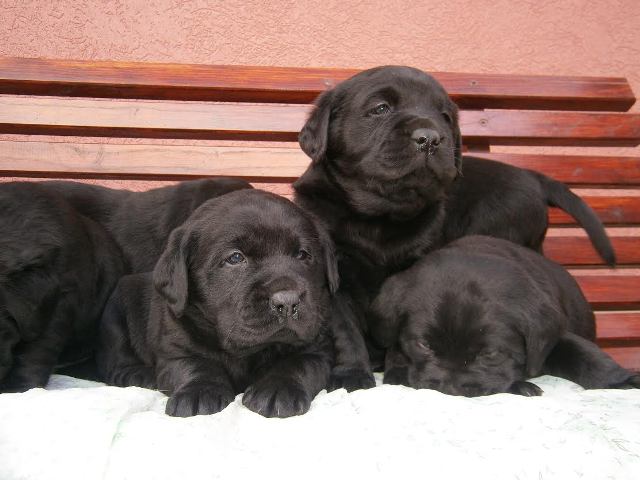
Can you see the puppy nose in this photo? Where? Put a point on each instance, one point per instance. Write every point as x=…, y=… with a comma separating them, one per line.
x=425, y=138
x=285, y=304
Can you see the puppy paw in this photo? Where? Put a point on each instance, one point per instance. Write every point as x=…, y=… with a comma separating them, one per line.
x=20, y=383
x=135, y=376
x=16, y=388
x=276, y=399
x=526, y=389
x=396, y=376
x=351, y=380
x=199, y=400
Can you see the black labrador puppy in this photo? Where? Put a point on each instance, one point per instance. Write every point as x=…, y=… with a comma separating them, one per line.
x=140, y=222
x=481, y=316
x=385, y=180
x=57, y=269
x=238, y=302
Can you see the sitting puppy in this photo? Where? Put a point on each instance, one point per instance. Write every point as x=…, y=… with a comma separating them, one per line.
x=237, y=302
x=140, y=222
x=57, y=269
x=481, y=316
x=385, y=180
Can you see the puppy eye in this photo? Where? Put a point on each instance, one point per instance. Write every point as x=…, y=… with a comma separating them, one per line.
x=380, y=109
x=447, y=117
x=303, y=255
x=235, y=258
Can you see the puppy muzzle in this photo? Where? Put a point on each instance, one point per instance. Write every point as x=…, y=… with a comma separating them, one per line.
x=426, y=140
x=285, y=304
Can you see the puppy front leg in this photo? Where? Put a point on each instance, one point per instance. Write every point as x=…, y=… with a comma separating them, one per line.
x=396, y=368
x=583, y=362
x=352, y=370
x=289, y=386
x=118, y=362
x=196, y=386
x=33, y=361
x=9, y=338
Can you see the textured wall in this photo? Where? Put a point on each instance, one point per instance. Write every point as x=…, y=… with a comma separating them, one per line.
x=528, y=36
x=575, y=37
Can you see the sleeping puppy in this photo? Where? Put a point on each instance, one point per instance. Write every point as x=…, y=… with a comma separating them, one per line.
x=140, y=222
x=237, y=302
x=385, y=180
x=57, y=269
x=483, y=315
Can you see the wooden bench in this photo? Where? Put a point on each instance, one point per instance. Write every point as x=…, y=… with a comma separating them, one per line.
x=46, y=105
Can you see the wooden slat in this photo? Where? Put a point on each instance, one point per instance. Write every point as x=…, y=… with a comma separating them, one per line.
x=72, y=160
x=610, y=289
x=294, y=85
x=150, y=119
x=180, y=161
x=576, y=169
x=618, y=327
x=150, y=162
x=200, y=120
x=514, y=127
x=571, y=246
x=628, y=357
x=618, y=208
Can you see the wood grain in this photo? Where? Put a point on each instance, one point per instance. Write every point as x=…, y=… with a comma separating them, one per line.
x=628, y=357
x=514, y=127
x=585, y=170
x=571, y=246
x=294, y=85
x=206, y=120
x=617, y=208
x=182, y=161
x=614, y=328
x=149, y=162
x=610, y=290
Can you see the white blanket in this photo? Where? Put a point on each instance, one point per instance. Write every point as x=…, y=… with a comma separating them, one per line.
x=83, y=430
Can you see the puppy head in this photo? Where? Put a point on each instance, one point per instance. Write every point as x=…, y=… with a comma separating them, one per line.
x=390, y=138
x=251, y=269
x=40, y=244
x=453, y=334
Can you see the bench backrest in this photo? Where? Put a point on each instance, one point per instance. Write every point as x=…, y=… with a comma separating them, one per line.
x=44, y=102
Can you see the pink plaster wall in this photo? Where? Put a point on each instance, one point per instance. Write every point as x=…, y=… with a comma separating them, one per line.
x=572, y=37
x=525, y=36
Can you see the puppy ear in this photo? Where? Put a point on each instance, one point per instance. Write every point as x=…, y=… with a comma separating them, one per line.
x=457, y=139
x=541, y=334
x=330, y=259
x=386, y=313
x=314, y=135
x=171, y=273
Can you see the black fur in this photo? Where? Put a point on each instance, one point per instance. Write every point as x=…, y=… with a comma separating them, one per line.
x=205, y=325
x=387, y=199
x=140, y=222
x=57, y=269
x=483, y=315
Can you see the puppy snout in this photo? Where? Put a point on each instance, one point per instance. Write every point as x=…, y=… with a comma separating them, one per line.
x=426, y=139
x=285, y=303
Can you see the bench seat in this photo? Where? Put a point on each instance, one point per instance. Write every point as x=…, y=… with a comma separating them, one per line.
x=157, y=123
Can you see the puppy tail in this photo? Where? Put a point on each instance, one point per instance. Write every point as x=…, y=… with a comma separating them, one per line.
x=559, y=195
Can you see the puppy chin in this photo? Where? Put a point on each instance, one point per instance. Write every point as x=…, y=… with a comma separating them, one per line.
x=455, y=389
x=446, y=172
x=404, y=192
x=259, y=333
